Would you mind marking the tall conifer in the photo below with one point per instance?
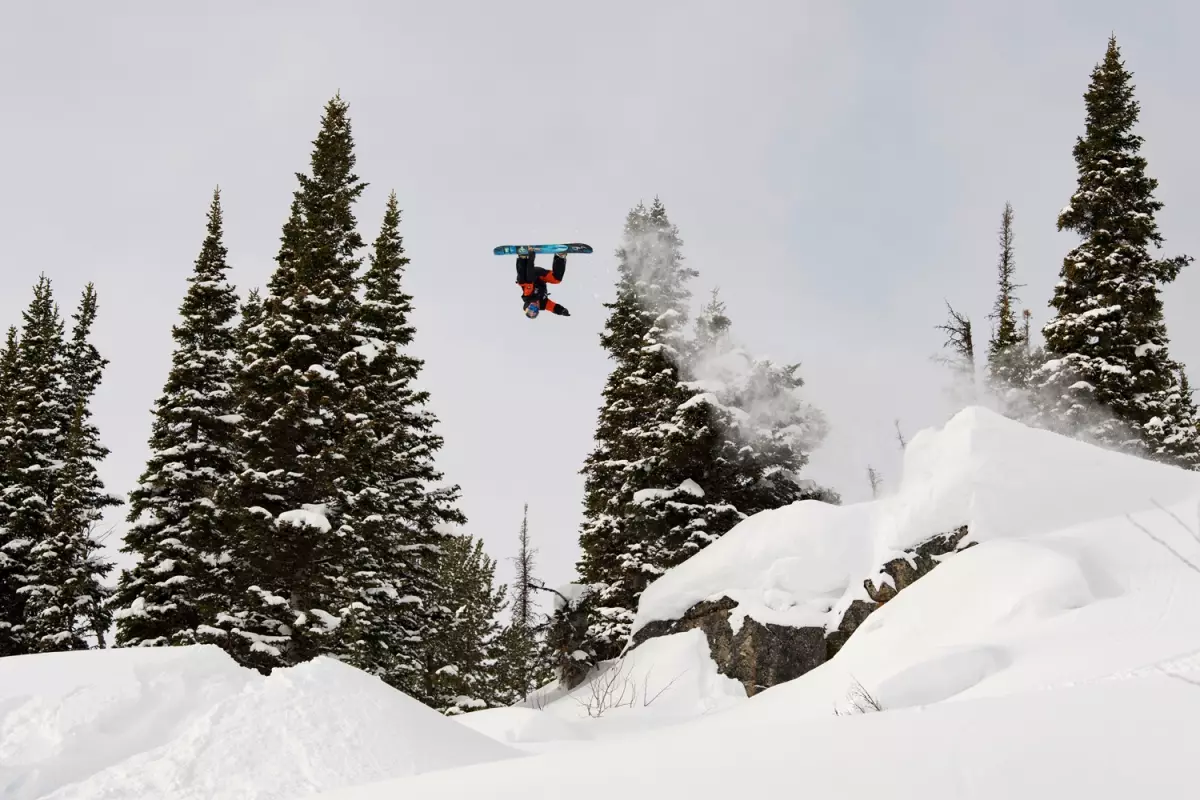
(174, 588)
(1109, 376)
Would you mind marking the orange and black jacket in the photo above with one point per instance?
(533, 280)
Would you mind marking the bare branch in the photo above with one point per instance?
(1168, 547)
(647, 700)
(861, 700)
(1195, 535)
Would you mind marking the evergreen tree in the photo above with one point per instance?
(8, 379)
(286, 509)
(395, 492)
(524, 609)
(84, 369)
(51, 595)
(768, 430)
(632, 490)
(960, 341)
(463, 654)
(37, 407)
(1109, 376)
(1007, 352)
(175, 587)
(526, 662)
(694, 436)
(65, 598)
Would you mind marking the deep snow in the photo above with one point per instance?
(188, 723)
(1058, 657)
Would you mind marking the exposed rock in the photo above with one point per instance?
(764, 655)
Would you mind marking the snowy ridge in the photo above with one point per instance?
(802, 565)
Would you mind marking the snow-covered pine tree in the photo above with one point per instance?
(8, 380)
(8, 375)
(395, 496)
(289, 528)
(1109, 376)
(631, 485)
(768, 430)
(65, 597)
(174, 587)
(33, 435)
(463, 654)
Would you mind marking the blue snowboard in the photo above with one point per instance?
(522, 249)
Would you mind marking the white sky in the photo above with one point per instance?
(838, 169)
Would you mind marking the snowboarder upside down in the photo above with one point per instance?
(533, 280)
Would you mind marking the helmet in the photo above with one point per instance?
(531, 310)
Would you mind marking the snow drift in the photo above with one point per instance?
(189, 723)
(803, 564)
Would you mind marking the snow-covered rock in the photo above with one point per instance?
(802, 565)
(784, 591)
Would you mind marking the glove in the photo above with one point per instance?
(562, 311)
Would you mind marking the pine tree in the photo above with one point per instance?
(463, 656)
(526, 662)
(523, 609)
(175, 587)
(288, 516)
(400, 508)
(8, 378)
(84, 370)
(65, 598)
(32, 432)
(960, 341)
(1109, 377)
(766, 429)
(629, 486)
(1007, 362)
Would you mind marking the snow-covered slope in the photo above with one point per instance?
(1058, 657)
(187, 723)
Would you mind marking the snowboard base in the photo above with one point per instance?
(524, 249)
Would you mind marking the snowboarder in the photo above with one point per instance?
(533, 280)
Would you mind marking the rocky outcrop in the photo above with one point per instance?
(764, 655)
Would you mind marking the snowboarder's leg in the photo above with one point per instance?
(559, 268)
(525, 268)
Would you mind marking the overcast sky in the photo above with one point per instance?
(837, 169)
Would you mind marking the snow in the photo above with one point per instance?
(1059, 656)
(188, 723)
(689, 486)
(803, 564)
(1129, 739)
(311, 515)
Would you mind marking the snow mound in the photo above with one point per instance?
(189, 723)
(803, 564)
